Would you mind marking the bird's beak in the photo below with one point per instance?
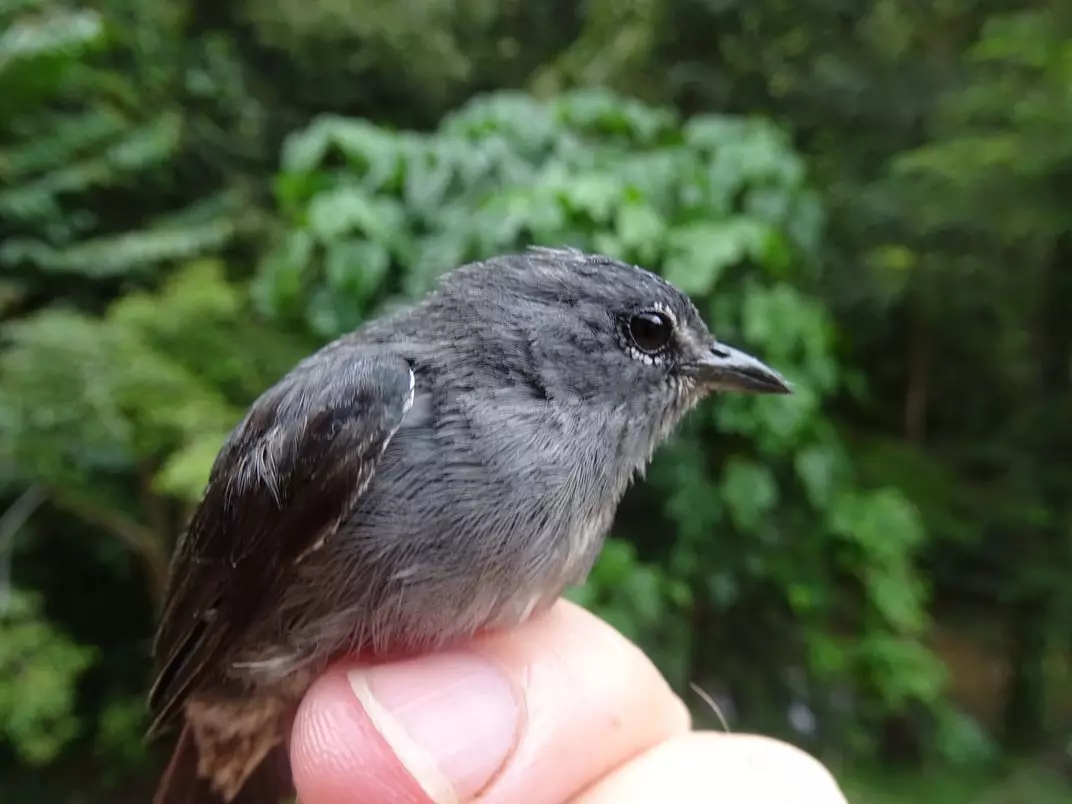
(723, 368)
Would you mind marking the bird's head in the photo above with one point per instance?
(608, 342)
(597, 327)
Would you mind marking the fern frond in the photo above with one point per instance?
(59, 140)
(117, 255)
(143, 148)
(57, 33)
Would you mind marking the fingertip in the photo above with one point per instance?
(337, 756)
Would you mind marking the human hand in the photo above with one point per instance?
(562, 709)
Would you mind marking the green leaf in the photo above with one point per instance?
(640, 229)
(699, 253)
(749, 492)
(278, 289)
(884, 523)
(348, 209)
(185, 472)
(357, 267)
(56, 31)
(817, 466)
(597, 194)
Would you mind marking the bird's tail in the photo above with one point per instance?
(270, 782)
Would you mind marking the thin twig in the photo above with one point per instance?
(10, 524)
(151, 502)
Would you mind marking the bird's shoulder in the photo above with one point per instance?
(289, 472)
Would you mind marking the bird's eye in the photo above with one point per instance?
(650, 331)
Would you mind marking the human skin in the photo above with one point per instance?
(560, 710)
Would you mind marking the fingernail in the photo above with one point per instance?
(452, 719)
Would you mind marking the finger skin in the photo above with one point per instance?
(707, 767)
(338, 757)
(594, 701)
(590, 701)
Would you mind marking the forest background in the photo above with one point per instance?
(875, 197)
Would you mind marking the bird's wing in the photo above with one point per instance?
(287, 476)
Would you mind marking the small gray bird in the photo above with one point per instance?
(446, 469)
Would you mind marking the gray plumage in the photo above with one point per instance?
(447, 468)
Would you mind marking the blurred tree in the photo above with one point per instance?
(118, 139)
(996, 184)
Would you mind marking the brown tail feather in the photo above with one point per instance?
(270, 783)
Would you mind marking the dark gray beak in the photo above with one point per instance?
(723, 368)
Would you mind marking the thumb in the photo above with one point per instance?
(535, 714)
(435, 729)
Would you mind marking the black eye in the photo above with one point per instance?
(650, 331)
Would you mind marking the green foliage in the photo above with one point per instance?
(86, 395)
(997, 168)
(81, 133)
(36, 657)
(1026, 783)
(39, 41)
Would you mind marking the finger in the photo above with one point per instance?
(536, 714)
(729, 768)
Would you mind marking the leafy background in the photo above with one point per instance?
(875, 197)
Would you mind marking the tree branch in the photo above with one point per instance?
(919, 358)
(140, 539)
(11, 523)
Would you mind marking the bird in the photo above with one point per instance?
(446, 469)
